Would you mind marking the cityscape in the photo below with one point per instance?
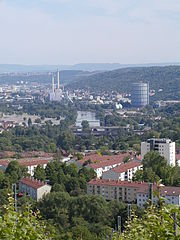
(90, 121)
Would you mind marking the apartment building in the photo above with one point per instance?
(171, 195)
(101, 164)
(165, 147)
(30, 163)
(114, 189)
(34, 188)
(123, 172)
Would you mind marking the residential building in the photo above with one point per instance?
(103, 163)
(30, 163)
(123, 172)
(114, 189)
(34, 188)
(171, 195)
(165, 147)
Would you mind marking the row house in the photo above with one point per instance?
(171, 195)
(123, 172)
(101, 164)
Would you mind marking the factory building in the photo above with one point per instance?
(140, 94)
(56, 93)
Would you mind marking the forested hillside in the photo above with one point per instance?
(165, 78)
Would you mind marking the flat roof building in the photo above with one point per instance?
(165, 147)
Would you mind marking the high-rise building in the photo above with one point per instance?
(140, 94)
(56, 93)
(165, 147)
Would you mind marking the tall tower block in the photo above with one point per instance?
(58, 81)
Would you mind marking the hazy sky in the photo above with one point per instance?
(73, 31)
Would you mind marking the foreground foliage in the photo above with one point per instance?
(21, 225)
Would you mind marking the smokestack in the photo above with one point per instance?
(53, 84)
(58, 82)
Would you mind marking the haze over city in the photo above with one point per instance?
(69, 32)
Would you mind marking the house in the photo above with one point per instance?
(101, 163)
(123, 172)
(4, 164)
(30, 163)
(170, 194)
(34, 188)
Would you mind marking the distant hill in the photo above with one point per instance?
(165, 78)
(7, 68)
(43, 77)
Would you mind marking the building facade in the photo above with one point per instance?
(165, 147)
(34, 188)
(124, 172)
(171, 195)
(115, 190)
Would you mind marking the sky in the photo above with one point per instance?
(84, 31)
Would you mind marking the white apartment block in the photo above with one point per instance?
(34, 188)
(171, 195)
(165, 147)
(124, 172)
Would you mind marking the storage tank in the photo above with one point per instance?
(140, 94)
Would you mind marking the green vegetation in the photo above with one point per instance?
(155, 168)
(165, 78)
(22, 225)
(155, 224)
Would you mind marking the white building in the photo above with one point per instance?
(171, 195)
(33, 163)
(34, 188)
(56, 93)
(165, 147)
(123, 172)
(101, 164)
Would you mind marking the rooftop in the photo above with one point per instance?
(98, 161)
(117, 183)
(31, 182)
(124, 167)
(165, 190)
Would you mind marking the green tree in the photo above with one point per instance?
(85, 125)
(21, 225)
(39, 173)
(29, 122)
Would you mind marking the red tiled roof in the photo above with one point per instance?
(27, 161)
(98, 161)
(107, 182)
(164, 190)
(32, 182)
(4, 163)
(124, 167)
(33, 161)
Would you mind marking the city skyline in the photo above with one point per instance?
(70, 32)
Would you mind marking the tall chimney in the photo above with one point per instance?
(58, 82)
(53, 84)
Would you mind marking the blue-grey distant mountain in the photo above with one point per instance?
(6, 68)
